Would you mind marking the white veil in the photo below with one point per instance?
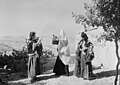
(63, 48)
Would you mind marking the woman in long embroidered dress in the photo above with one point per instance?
(34, 52)
(77, 71)
(87, 54)
(62, 62)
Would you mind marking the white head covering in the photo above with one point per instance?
(63, 41)
(63, 48)
(63, 37)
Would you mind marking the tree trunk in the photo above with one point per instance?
(118, 62)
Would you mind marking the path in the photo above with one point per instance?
(103, 77)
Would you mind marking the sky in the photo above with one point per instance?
(45, 17)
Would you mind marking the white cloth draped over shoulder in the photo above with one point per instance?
(63, 48)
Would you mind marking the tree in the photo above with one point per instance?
(105, 13)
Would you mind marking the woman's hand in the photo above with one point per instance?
(83, 49)
(60, 53)
(32, 54)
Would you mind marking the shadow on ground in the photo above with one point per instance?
(106, 74)
(41, 83)
(17, 83)
(100, 75)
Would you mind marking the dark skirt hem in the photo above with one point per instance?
(60, 68)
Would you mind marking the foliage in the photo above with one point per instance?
(105, 13)
(18, 60)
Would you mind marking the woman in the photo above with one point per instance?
(87, 54)
(34, 52)
(77, 71)
(61, 66)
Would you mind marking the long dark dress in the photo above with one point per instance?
(60, 68)
(34, 60)
(77, 71)
(86, 65)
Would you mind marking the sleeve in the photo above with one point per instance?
(35, 47)
(91, 47)
(41, 49)
(38, 48)
(29, 47)
(78, 53)
(78, 49)
(41, 46)
(90, 54)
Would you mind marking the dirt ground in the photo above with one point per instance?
(103, 77)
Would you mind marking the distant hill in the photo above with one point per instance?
(5, 47)
(13, 38)
(17, 42)
(10, 42)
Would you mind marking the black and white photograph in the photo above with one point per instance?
(59, 42)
